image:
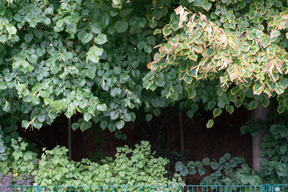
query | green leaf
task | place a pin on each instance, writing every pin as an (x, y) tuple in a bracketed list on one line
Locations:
[(265, 102), (252, 105), (101, 107), (206, 161), (217, 112), (3, 85), (87, 116), (121, 26), (274, 33), (148, 117), (179, 166), (283, 149), (281, 109), (214, 165), (75, 126), (84, 36), (94, 53), (191, 92), (120, 124), (258, 88), (101, 39), (210, 123), (151, 40), (11, 29), (206, 5), (279, 89), (37, 124), (28, 37), (25, 124), (103, 124), (167, 30), (211, 105), (85, 125), (201, 170), (285, 101), (114, 115), (229, 109), (184, 172)]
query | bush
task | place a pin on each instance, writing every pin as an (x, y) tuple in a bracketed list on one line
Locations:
[(129, 167)]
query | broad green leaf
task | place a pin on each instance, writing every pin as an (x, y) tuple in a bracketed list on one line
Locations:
[(252, 105), (167, 30), (84, 36), (101, 39), (148, 117), (101, 107), (120, 124), (206, 161), (121, 26), (11, 29), (206, 5), (281, 109), (214, 165), (3, 85), (265, 102), (229, 109), (179, 166), (201, 170), (217, 112), (274, 33), (211, 105), (111, 127), (191, 92), (75, 126), (103, 124), (285, 102)]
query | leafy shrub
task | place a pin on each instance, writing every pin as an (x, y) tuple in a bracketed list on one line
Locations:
[(227, 171), (20, 161), (130, 166)]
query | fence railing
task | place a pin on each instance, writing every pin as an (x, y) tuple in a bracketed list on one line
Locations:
[(150, 188)]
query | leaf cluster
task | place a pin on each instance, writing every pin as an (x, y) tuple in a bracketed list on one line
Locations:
[(227, 170)]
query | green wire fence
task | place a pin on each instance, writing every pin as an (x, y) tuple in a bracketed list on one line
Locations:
[(150, 188)]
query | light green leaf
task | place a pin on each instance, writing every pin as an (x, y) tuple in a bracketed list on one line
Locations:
[(210, 123), (101, 107), (101, 39), (206, 5), (120, 124), (11, 29)]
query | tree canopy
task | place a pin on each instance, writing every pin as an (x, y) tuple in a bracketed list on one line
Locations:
[(91, 57)]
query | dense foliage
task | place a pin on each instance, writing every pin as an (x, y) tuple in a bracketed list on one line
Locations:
[(228, 170), (136, 166), (240, 46), (90, 57), (77, 56)]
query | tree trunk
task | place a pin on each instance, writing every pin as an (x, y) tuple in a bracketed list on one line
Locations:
[(70, 139), (259, 113)]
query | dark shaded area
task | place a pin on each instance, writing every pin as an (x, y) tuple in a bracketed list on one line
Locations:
[(162, 132)]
